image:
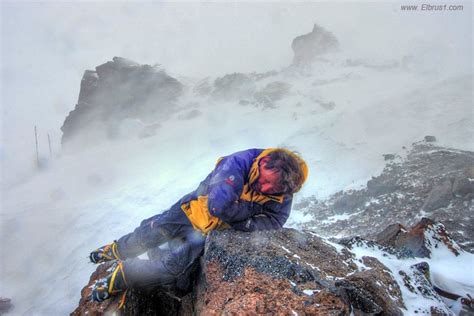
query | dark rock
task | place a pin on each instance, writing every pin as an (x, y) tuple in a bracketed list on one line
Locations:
[(308, 47), (244, 102), (389, 236), (462, 186), (272, 92), (234, 86), (399, 193), (264, 75), (387, 157), (413, 242), (424, 268), (408, 243), (280, 273), (348, 202), (430, 139), (203, 87), (370, 282), (381, 185), (361, 299), (440, 196), (119, 90), (327, 105), (417, 281), (244, 273), (5, 305)]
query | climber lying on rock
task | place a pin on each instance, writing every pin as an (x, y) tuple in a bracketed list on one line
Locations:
[(247, 190)]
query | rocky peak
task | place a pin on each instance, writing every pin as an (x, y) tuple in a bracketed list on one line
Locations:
[(118, 92), (308, 47)]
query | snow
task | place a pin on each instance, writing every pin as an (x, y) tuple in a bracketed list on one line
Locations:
[(449, 272), (51, 220), (339, 217), (452, 273), (310, 292), (333, 244)]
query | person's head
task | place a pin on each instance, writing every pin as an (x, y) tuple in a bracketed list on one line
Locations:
[(280, 172)]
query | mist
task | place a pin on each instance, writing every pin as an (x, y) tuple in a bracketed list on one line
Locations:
[(85, 197)]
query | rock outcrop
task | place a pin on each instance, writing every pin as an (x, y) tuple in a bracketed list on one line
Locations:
[(290, 272), (116, 92), (234, 87), (5, 305), (310, 46), (432, 181), (272, 92)]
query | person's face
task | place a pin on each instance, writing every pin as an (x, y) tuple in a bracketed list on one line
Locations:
[(267, 182)]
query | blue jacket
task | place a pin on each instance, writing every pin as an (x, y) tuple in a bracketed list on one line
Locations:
[(226, 196)]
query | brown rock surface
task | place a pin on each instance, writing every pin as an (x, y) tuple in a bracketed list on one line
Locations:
[(288, 271), (87, 307), (413, 242)]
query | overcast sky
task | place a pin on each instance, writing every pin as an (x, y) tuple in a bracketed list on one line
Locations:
[(47, 46)]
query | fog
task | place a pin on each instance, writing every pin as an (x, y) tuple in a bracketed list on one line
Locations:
[(96, 194), (47, 46)]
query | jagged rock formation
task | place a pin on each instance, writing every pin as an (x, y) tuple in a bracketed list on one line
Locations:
[(233, 87), (432, 181), (124, 99), (290, 272), (116, 92), (308, 47)]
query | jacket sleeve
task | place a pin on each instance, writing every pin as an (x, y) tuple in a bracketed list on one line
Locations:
[(225, 186), (273, 216)]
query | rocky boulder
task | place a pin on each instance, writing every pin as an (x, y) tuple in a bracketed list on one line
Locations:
[(290, 272), (413, 242), (308, 47), (115, 92)]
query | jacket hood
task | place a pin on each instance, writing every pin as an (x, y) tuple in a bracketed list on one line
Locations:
[(254, 170)]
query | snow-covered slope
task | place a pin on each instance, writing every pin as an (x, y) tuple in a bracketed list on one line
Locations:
[(341, 116)]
